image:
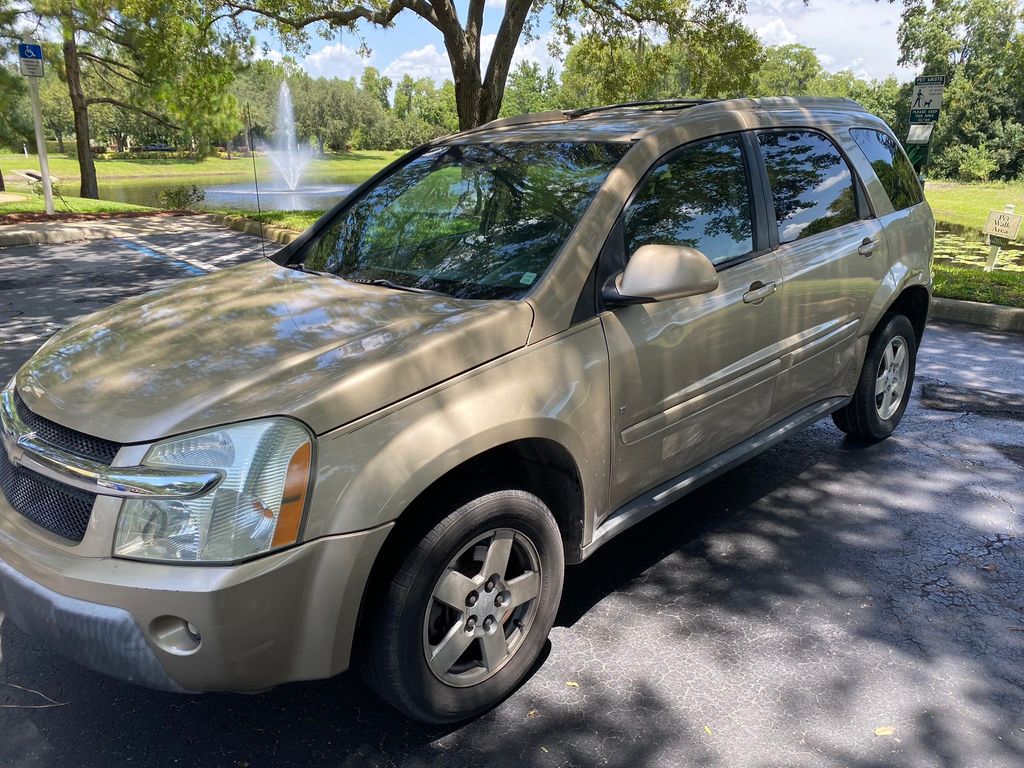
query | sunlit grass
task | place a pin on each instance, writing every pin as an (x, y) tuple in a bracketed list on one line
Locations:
[(297, 220), (34, 204), (972, 284), (363, 163), (967, 205)]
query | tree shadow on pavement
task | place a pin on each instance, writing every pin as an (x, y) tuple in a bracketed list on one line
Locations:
[(777, 616)]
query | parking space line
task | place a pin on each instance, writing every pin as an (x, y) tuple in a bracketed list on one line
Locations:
[(193, 266)]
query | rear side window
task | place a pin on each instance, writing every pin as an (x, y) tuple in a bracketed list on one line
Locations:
[(891, 166), (812, 186), (699, 198)]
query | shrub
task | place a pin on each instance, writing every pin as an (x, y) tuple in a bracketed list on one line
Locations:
[(140, 155), (36, 187), (966, 163), (182, 198)]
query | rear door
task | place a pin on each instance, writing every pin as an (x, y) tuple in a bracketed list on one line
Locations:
[(900, 205), (832, 255), (693, 376)]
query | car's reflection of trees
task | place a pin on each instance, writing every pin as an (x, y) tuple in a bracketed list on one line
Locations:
[(478, 218), (798, 170), (699, 194)]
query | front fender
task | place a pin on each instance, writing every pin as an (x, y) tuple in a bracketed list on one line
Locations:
[(369, 472)]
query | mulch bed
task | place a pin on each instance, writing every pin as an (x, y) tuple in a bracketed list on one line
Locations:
[(26, 218)]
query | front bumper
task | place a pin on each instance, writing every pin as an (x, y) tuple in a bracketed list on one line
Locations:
[(285, 617)]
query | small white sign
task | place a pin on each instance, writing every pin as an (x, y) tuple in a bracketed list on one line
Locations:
[(920, 133), (1003, 224), (30, 59)]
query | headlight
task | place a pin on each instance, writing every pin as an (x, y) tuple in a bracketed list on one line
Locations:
[(256, 508)]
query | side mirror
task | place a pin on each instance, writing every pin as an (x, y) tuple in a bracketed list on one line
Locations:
[(661, 272)]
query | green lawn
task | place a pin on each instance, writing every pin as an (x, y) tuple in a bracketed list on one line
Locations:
[(967, 205), (361, 164), (33, 204), (971, 284), (297, 220)]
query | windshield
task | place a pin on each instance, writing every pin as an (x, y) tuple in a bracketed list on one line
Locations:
[(480, 221)]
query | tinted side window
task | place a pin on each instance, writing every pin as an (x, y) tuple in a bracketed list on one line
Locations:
[(812, 186), (698, 198), (891, 166)]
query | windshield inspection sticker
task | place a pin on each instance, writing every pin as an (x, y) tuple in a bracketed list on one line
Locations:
[(528, 278)]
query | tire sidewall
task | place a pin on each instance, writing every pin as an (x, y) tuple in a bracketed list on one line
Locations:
[(898, 325), (429, 697)]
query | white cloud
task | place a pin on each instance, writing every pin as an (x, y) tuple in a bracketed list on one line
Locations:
[(536, 50), (427, 61), (337, 60), (776, 32), (847, 34)]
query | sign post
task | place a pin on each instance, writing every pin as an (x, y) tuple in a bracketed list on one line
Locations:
[(1001, 227), (30, 59)]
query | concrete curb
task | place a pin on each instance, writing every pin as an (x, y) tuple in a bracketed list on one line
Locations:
[(252, 227), (975, 313), (47, 233), (53, 236)]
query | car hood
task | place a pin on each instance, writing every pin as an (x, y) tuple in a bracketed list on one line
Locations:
[(259, 340)]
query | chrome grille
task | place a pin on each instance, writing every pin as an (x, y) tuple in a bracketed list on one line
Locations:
[(70, 440), (54, 506)]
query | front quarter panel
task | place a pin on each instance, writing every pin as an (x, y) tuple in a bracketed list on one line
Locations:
[(371, 471)]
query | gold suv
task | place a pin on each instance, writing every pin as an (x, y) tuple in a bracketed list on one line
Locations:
[(381, 448)]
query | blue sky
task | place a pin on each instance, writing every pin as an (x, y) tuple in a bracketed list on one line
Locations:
[(847, 34)]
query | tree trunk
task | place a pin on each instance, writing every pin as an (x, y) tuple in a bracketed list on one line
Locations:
[(227, 146), (2, 187), (60, 142), (80, 110), (478, 98)]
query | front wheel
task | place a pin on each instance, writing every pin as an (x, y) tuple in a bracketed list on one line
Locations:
[(883, 390), (468, 610)]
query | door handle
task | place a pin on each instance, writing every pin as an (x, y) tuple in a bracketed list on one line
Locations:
[(759, 292), (867, 246)]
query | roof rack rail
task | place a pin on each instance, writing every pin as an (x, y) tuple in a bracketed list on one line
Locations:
[(655, 103)]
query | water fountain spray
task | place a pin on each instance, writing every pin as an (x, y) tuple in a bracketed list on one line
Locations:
[(289, 158)]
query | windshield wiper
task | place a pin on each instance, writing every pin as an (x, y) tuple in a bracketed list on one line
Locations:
[(380, 281), (303, 268)]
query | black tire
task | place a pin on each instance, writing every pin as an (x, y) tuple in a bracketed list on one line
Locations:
[(861, 417), (395, 648)]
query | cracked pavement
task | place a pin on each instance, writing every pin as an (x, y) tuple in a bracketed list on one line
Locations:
[(776, 617)]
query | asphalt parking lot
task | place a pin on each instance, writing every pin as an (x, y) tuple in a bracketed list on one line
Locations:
[(776, 617)]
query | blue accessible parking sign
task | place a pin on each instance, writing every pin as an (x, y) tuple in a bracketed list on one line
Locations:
[(30, 57)]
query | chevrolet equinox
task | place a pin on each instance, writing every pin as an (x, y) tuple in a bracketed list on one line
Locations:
[(380, 448)]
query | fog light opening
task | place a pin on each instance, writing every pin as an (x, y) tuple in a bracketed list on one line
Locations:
[(175, 635)]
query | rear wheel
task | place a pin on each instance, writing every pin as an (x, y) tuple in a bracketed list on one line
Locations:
[(468, 610), (883, 390)]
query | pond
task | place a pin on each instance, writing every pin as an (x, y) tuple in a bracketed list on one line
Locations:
[(970, 250), (231, 191)]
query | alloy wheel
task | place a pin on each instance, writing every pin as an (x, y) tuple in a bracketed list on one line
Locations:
[(891, 377), (482, 607)]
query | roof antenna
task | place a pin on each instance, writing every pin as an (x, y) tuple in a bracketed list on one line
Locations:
[(255, 178)]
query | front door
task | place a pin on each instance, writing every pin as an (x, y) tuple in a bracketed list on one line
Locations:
[(692, 376)]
